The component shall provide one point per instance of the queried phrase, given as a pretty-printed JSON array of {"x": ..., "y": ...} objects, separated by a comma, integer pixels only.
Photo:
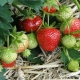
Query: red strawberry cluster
[{"x": 47, "y": 35}]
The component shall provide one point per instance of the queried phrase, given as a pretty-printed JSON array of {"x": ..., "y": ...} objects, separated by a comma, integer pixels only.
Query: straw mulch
[{"x": 53, "y": 67}]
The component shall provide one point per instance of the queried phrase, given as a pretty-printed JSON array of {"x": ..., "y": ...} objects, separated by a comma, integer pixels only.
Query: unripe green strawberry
[
  {"x": 32, "y": 41},
  {"x": 64, "y": 13},
  {"x": 8, "y": 55},
  {"x": 68, "y": 41},
  {"x": 77, "y": 45},
  {"x": 26, "y": 53},
  {"x": 73, "y": 65}
]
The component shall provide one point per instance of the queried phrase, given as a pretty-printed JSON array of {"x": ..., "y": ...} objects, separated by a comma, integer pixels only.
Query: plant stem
[
  {"x": 43, "y": 17},
  {"x": 7, "y": 41},
  {"x": 19, "y": 9},
  {"x": 48, "y": 19},
  {"x": 77, "y": 3}
]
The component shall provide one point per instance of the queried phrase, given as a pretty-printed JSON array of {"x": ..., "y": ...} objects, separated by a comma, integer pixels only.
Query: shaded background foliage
[{"x": 6, "y": 15}]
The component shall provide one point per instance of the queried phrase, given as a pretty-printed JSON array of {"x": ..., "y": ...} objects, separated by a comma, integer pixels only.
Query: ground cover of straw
[{"x": 52, "y": 69}]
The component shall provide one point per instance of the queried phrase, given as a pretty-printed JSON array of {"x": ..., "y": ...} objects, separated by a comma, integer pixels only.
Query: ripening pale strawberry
[
  {"x": 20, "y": 42},
  {"x": 72, "y": 27},
  {"x": 48, "y": 38}
]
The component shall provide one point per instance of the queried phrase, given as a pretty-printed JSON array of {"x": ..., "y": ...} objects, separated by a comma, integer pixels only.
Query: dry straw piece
[{"x": 52, "y": 69}]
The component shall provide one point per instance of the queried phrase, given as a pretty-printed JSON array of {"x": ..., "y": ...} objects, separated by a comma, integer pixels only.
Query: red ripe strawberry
[
  {"x": 48, "y": 38},
  {"x": 31, "y": 24},
  {"x": 51, "y": 6},
  {"x": 4, "y": 64},
  {"x": 72, "y": 27},
  {"x": 51, "y": 10}
]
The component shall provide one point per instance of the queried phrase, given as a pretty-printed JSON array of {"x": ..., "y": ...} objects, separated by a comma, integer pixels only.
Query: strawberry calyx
[
  {"x": 46, "y": 25},
  {"x": 25, "y": 13},
  {"x": 29, "y": 14}
]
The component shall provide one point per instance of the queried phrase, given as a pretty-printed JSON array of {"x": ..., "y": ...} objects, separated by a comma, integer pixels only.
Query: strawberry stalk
[
  {"x": 77, "y": 3},
  {"x": 43, "y": 17},
  {"x": 19, "y": 9},
  {"x": 7, "y": 41},
  {"x": 48, "y": 18}
]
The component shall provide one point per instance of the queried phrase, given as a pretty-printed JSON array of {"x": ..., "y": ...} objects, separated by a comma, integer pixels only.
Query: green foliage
[
  {"x": 35, "y": 4},
  {"x": 1, "y": 75},
  {"x": 5, "y": 19},
  {"x": 64, "y": 58},
  {"x": 10, "y": 1},
  {"x": 3, "y": 2},
  {"x": 74, "y": 54},
  {"x": 33, "y": 57}
]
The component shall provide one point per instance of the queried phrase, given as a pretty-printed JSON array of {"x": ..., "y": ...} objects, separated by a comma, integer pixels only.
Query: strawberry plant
[{"x": 38, "y": 32}]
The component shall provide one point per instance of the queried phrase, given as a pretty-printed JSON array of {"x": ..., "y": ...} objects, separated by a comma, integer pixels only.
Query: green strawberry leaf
[
  {"x": 16, "y": 2},
  {"x": 35, "y": 4},
  {"x": 5, "y": 19},
  {"x": 3, "y": 2},
  {"x": 33, "y": 57},
  {"x": 5, "y": 13},
  {"x": 10, "y": 1},
  {"x": 2, "y": 73},
  {"x": 74, "y": 54},
  {"x": 64, "y": 58}
]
